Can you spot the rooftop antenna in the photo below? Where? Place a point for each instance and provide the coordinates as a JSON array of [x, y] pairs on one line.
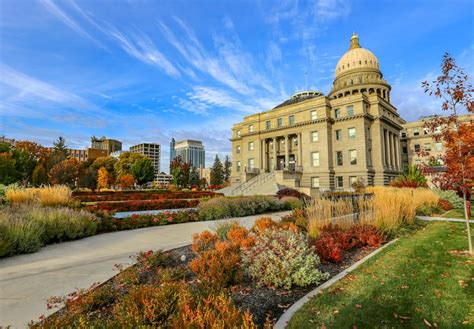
[[306, 80]]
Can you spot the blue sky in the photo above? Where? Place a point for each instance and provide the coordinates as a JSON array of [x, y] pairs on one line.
[[146, 71]]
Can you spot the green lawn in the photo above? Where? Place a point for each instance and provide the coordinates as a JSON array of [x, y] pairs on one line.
[[457, 213], [414, 280]]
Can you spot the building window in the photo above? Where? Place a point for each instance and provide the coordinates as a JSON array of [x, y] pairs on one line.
[[291, 120], [251, 163], [437, 130], [353, 156], [268, 125], [426, 131], [417, 147], [339, 158], [404, 135], [251, 146], [352, 180], [427, 147], [350, 110], [416, 132], [315, 158], [251, 129], [439, 146], [237, 166], [279, 122], [339, 181], [338, 134], [238, 133], [351, 133], [337, 113], [405, 150], [237, 149], [315, 182], [314, 136], [314, 115]]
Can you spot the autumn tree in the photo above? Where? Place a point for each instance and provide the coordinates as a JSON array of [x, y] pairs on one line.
[[217, 172], [66, 172], [102, 178], [126, 181], [180, 171], [125, 162], [454, 89], [8, 172], [39, 176]]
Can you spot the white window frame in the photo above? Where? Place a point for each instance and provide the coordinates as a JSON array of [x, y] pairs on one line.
[[349, 133], [315, 162], [351, 158], [237, 166], [351, 108], [314, 136], [315, 182], [314, 115], [251, 146], [342, 158], [251, 128], [340, 134]]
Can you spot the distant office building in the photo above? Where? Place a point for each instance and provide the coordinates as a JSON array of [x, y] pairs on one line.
[[172, 151], [93, 153], [103, 143], [191, 151], [205, 173], [80, 155], [163, 179], [152, 151]]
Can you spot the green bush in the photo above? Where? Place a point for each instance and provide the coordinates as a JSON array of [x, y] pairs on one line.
[[282, 258], [429, 210], [292, 202], [222, 207], [224, 227], [24, 229], [451, 196]]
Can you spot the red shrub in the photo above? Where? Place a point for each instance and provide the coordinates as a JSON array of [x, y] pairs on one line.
[[137, 205], [367, 235], [240, 236], [328, 249], [203, 241], [263, 223], [445, 204]]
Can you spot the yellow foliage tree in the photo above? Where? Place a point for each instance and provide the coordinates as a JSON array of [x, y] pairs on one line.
[[102, 178]]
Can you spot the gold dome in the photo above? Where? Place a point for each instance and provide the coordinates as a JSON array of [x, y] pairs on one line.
[[356, 58]]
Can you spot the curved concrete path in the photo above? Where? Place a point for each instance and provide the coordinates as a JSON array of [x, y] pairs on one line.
[[27, 281]]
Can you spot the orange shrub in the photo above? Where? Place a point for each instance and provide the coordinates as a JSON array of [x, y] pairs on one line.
[[290, 227], [213, 311], [203, 241], [240, 236], [263, 223], [218, 267]]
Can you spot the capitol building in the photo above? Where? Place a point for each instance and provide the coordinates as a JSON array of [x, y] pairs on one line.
[[319, 142]]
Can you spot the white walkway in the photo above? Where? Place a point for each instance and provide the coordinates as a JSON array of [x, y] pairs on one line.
[[431, 219], [27, 281]]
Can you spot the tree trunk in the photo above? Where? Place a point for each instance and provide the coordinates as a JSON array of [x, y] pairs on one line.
[[469, 238]]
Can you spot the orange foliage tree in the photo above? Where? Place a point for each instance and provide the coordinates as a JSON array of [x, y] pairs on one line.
[[65, 172], [102, 178], [126, 181], [455, 90]]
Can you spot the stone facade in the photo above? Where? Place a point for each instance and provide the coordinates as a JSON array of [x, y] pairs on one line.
[[323, 142]]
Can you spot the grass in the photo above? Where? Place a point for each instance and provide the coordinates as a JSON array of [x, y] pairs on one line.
[[457, 213], [414, 283]]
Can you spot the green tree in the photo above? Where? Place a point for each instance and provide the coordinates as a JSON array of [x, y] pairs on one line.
[[8, 172], [227, 169], [125, 162], [194, 177], [59, 153], [180, 171], [217, 172], [88, 178], [39, 176], [143, 170]]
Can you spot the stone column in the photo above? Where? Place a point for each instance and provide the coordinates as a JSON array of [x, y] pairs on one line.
[[264, 154], [274, 164], [287, 151], [397, 153], [300, 150], [387, 149]]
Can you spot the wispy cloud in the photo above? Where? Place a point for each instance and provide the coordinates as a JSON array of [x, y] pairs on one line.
[[67, 20]]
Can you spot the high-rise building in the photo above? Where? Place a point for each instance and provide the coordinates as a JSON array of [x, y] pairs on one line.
[[151, 150], [103, 143], [191, 151], [172, 151]]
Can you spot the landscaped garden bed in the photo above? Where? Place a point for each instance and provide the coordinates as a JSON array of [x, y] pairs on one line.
[[140, 195], [138, 205], [236, 277]]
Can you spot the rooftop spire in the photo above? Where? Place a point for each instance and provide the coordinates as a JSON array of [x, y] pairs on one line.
[[354, 41]]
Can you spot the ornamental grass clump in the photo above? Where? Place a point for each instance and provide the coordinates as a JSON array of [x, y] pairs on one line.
[[282, 259], [48, 196]]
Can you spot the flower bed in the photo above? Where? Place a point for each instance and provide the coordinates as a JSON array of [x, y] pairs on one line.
[[228, 279], [136, 205], [140, 195]]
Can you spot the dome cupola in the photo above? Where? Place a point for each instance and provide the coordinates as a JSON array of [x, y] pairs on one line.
[[357, 71]]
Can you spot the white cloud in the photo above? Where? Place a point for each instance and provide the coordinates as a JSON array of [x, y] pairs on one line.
[[332, 9]]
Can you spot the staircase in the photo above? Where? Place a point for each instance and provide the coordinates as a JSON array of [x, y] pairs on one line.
[[262, 184]]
